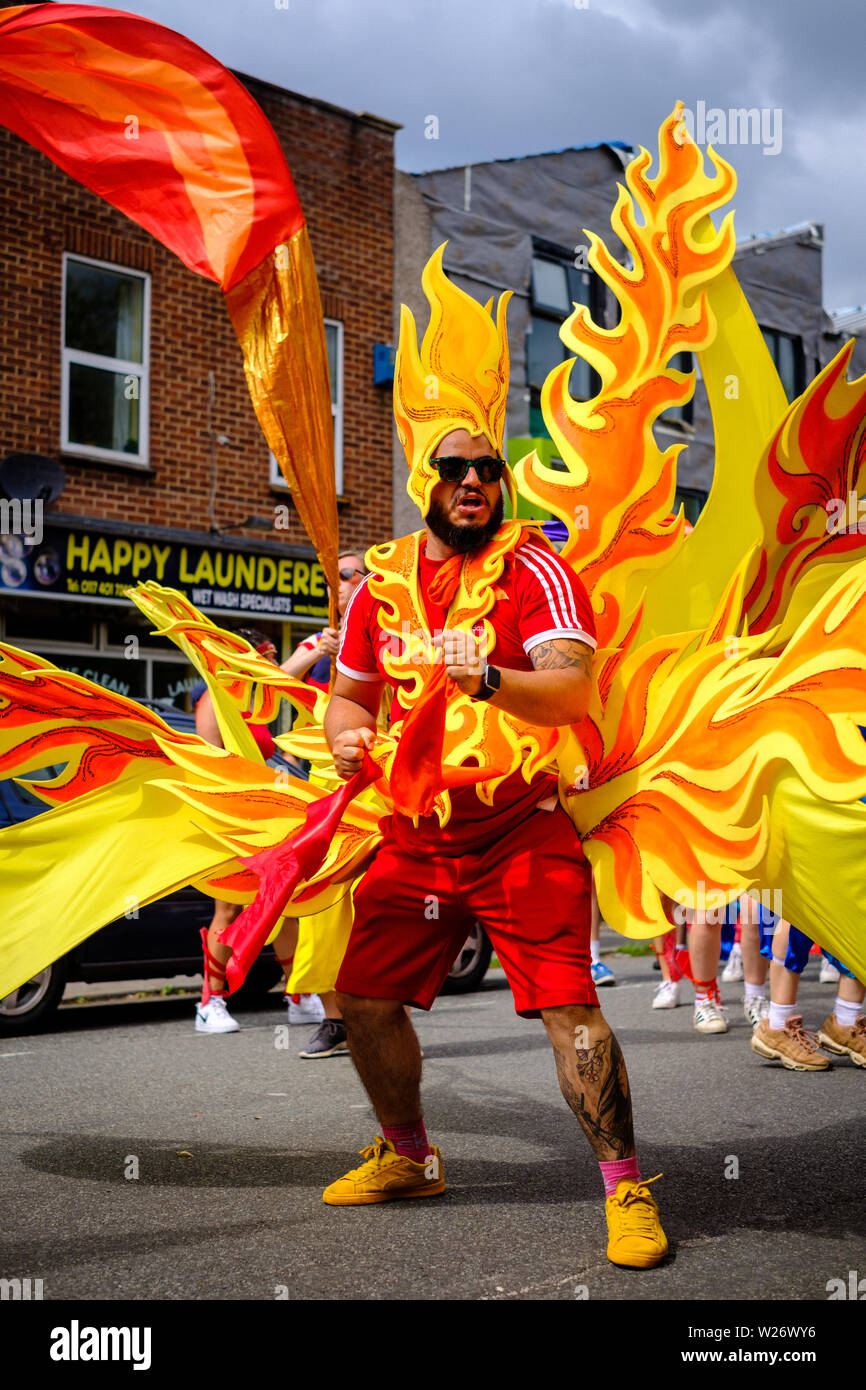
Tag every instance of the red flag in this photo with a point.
(283, 867)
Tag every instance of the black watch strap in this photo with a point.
(490, 682)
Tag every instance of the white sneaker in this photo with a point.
(214, 1017)
(828, 974)
(756, 1008)
(309, 1010)
(710, 1018)
(734, 967)
(667, 995)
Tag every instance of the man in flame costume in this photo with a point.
(715, 750)
(484, 611)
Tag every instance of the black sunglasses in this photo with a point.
(454, 470)
(346, 575)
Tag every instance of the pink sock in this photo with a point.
(409, 1140)
(620, 1168)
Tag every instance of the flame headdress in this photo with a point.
(721, 752)
(458, 380)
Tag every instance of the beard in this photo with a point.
(463, 536)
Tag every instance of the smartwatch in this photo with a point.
(490, 683)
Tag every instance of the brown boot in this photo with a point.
(792, 1045)
(847, 1041)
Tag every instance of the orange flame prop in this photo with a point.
(680, 773)
(617, 493)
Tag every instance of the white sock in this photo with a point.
(846, 1013)
(755, 991)
(779, 1015)
(594, 953)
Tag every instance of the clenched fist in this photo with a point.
(348, 751)
(465, 657)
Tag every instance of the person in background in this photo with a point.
(212, 1015)
(666, 994)
(782, 1037)
(601, 973)
(705, 946)
(311, 662)
(756, 926)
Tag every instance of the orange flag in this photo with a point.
(160, 129)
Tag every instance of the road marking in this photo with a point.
(25, 1052)
(276, 1093)
(501, 1293)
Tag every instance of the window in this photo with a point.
(556, 286)
(334, 344)
(787, 354)
(105, 350)
(100, 650)
(32, 624)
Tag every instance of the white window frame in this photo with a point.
(114, 364)
(277, 479)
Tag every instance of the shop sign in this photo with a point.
(90, 564)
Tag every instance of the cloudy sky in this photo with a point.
(514, 77)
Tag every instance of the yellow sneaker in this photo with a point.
(386, 1175)
(636, 1235)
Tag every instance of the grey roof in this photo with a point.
(761, 241)
(850, 320)
(623, 152)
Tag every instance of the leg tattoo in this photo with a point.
(595, 1084)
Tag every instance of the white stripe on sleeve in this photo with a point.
(554, 595)
(341, 665)
(357, 675)
(563, 588)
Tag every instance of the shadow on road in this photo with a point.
(701, 1204)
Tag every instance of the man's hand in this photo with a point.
(329, 642)
(348, 750)
(465, 657)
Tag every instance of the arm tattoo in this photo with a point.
(562, 653)
(595, 1085)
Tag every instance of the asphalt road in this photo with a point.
(235, 1138)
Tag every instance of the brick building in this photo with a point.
(121, 365)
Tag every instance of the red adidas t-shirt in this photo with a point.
(543, 599)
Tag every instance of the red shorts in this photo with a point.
(530, 890)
